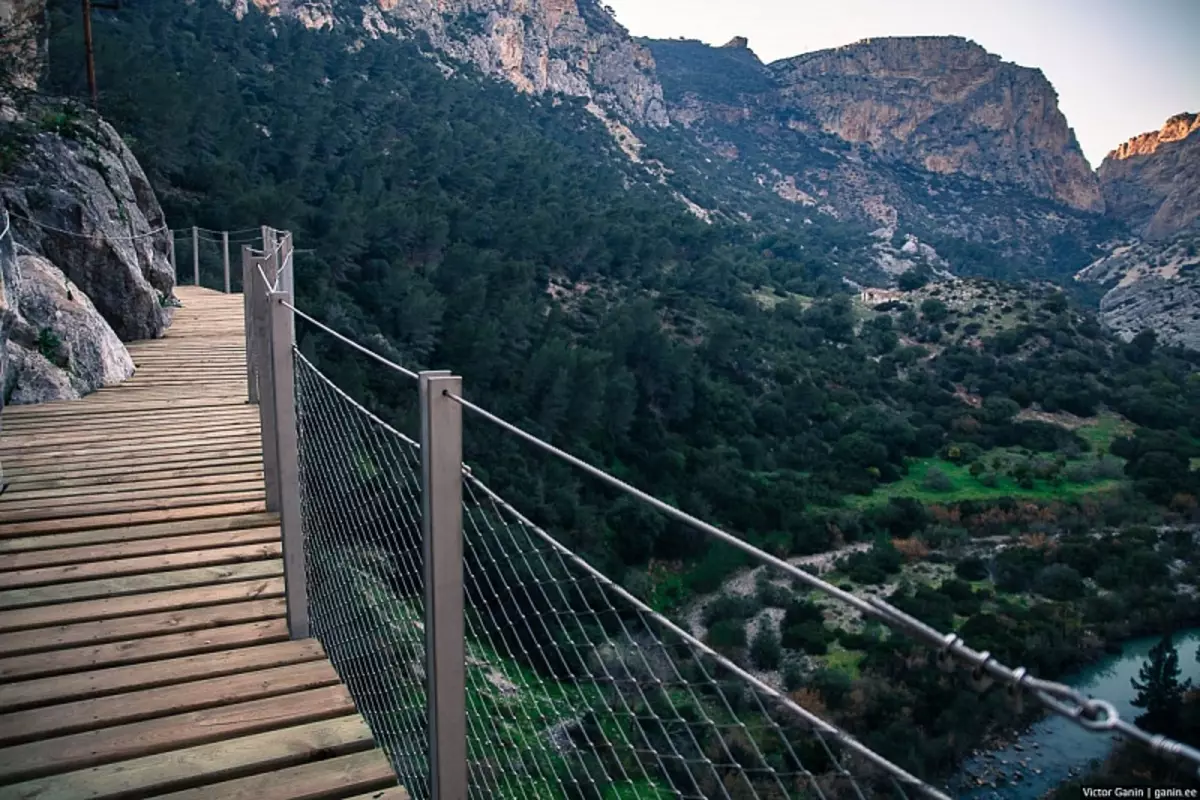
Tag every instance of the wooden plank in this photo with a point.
(130, 533)
(132, 420)
(130, 469)
(103, 712)
(204, 764)
(137, 584)
(39, 665)
(121, 629)
(102, 682)
(130, 566)
(127, 431)
(130, 518)
(328, 779)
(17, 507)
(231, 438)
(77, 751)
(110, 607)
(114, 476)
(138, 547)
(128, 485)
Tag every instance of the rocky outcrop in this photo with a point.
(1153, 285)
(22, 44)
(1152, 182)
(928, 137)
(81, 200)
(573, 47)
(946, 105)
(60, 346)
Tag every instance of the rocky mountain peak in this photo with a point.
(738, 43)
(947, 105)
(573, 47)
(1175, 129)
(1152, 182)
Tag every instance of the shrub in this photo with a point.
(937, 481)
(834, 686)
(765, 649)
(772, 595)
(971, 569)
(727, 635)
(1059, 582)
(811, 637)
(730, 607)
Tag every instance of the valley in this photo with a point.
(869, 309)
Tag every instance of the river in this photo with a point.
(1057, 746)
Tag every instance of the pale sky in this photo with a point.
(1121, 67)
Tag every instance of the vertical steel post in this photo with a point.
(441, 527)
(261, 319)
(283, 392)
(248, 320)
(225, 255)
(196, 255)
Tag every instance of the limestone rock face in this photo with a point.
(1152, 284)
(82, 201)
(573, 47)
(1152, 182)
(72, 333)
(23, 43)
(946, 105)
(928, 137)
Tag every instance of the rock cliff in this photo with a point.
(1153, 285)
(573, 47)
(85, 260)
(930, 136)
(22, 44)
(80, 199)
(1152, 182)
(946, 105)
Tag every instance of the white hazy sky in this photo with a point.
(1121, 67)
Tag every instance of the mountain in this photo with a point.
(713, 359)
(1152, 182)
(572, 47)
(1151, 285)
(931, 137)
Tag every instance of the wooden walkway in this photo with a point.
(143, 642)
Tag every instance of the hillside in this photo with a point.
(933, 138)
(1152, 183)
(716, 360)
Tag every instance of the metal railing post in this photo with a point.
(441, 528)
(225, 256)
(248, 269)
(260, 305)
(196, 255)
(287, 466)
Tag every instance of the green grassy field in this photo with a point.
(965, 486)
(1099, 433)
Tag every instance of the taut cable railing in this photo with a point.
(490, 660)
(210, 255)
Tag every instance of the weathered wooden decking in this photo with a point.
(143, 642)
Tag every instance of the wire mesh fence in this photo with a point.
(574, 689)
(360, 505)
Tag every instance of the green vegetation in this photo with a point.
(721, 367)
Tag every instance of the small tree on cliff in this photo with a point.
(1159, 689)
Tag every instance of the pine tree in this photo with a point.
(1159, 690)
